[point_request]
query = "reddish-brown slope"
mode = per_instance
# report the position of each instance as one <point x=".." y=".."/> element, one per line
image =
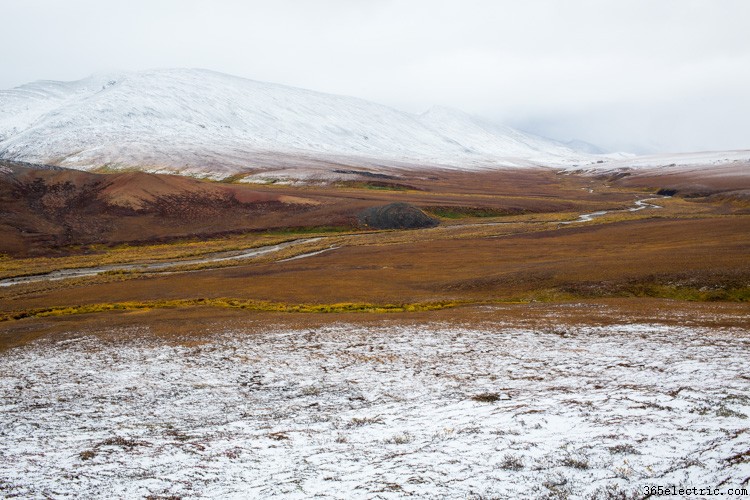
<point x="47" y="211"/>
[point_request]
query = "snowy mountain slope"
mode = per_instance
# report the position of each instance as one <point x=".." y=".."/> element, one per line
<point x="718" y="175"/>
<point x="487" y="139"/>
<point x="723" y="163"/>
<point x="22" y="106"/>
<point x="585" y="147"/>
<point x="206" y="123"/>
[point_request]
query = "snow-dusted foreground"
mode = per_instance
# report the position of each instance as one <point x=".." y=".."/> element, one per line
<point x="354" y="412"/>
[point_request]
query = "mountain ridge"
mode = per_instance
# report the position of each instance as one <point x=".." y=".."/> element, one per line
<point x="205" y="123"/>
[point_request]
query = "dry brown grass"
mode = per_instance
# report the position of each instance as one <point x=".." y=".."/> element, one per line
<point x="674" y="258"/>
<point x="690" y="250"/>
<point x="466" y="227"/>
<point x="60" y="213"/>
<point x="179" y="250"/>
<point x="197" y="325"/>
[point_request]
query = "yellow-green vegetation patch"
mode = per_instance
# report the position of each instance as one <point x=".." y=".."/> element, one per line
<point x="229" y="303"/>
<point x="236" y="178"/>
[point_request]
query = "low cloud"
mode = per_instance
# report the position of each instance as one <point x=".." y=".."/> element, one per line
<point x="636" y="74"/>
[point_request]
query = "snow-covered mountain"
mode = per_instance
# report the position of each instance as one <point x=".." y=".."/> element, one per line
<point x="206" y="123"/>
<point x="585" y="147"/>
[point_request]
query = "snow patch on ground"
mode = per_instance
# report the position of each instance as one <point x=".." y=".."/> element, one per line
<point x="355" y="412"/>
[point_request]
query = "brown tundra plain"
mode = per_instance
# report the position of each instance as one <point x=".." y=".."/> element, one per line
<point x="430" y="333"/>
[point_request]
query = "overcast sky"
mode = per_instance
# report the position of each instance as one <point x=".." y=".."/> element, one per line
<point x="638" y="75"/>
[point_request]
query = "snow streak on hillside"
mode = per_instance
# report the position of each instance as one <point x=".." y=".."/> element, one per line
<point x="201" y="122"/>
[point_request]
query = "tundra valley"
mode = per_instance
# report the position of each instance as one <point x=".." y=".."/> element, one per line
<point x="216" y="287"/>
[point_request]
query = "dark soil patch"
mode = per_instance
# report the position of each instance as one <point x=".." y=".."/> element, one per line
<point x="488" y="397"/>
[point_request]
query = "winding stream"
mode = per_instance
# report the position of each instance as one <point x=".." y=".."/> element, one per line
<point x="639" y="205"/>
<point x="83" y="272"/>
